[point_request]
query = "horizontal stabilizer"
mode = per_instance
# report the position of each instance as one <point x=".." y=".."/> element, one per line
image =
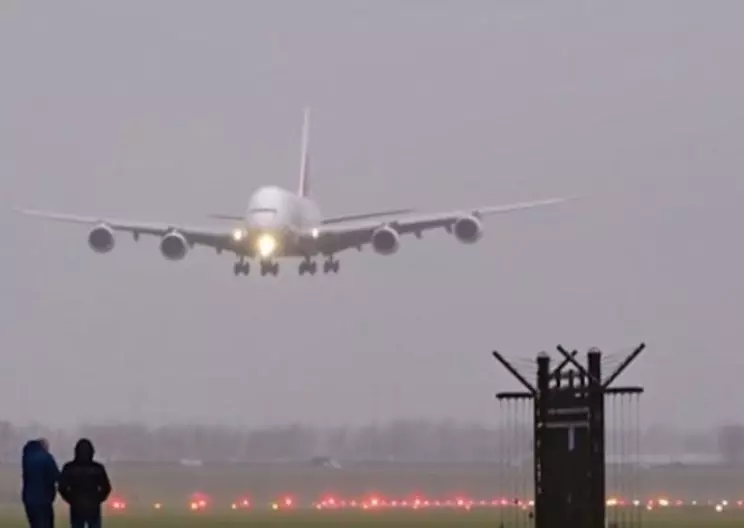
<point x="220" y="216"/>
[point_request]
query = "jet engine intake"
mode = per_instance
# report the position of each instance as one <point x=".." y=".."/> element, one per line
<point x="174" y="246"/>
<point x="468" y="229"/>
<point x="385" y="240"/>
<point x="101" y="239"/>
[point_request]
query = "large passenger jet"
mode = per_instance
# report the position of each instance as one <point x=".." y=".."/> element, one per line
<point x="279" y="223"/>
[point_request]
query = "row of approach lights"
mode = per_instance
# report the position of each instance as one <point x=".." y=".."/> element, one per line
<point x="200" y="502"/>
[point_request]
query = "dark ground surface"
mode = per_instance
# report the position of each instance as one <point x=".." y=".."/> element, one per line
<point x="698" y="518"/>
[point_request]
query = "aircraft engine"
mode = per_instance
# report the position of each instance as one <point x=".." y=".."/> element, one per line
<point x="468" y="229"/>
<point x="101" y="239"/>
<point x="174" y="246"/>
<point x="385" y="240"/>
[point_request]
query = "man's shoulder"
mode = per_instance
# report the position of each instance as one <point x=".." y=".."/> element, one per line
<point x="36" y="459"/>
<point x="72" y="464"/>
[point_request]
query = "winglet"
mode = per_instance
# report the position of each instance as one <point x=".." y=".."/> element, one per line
<point x="304" y="187"/>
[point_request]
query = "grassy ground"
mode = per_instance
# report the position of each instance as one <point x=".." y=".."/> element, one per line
<point x="687" y="518"/>
<point x="145" y="484"/>
<point x="172" y="487"/>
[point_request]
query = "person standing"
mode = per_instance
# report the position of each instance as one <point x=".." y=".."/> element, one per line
<point x="39" y="475"/>
<point x="84" y="484"/>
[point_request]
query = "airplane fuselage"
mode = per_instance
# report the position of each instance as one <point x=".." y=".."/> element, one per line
<point x="273" y="209"/>
<point x="276" y="217"/>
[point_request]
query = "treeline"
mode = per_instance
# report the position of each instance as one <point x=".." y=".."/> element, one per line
<point x="405" y="441"/>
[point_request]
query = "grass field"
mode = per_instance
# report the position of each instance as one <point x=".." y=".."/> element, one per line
<point x="173" y="488"/>
<point x="682" y="518"/>
<point x="173" y="485"/>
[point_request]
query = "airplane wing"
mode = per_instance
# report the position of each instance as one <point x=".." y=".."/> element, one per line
<point x="339" y="237"/>
<point x="219" y="239"/>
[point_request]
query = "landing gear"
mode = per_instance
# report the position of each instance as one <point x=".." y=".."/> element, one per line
<point x="308" y="266"/>
<point x="330" y="265"/>
<point x="269" y="268"/>
<point x="241" y="268"/>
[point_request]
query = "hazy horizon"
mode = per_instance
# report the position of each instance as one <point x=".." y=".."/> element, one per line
<point x="170" y="111"/>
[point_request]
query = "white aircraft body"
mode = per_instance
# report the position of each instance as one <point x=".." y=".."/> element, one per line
<point x="279" y="223"/>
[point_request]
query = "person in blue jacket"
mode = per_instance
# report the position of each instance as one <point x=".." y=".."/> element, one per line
<point x="40" y="475"/>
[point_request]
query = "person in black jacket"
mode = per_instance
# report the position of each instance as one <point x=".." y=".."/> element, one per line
<point x="40" y="476"/>
<point x="84" y="484"/>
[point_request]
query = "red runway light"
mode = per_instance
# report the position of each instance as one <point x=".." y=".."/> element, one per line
<point x="117" y="504"/>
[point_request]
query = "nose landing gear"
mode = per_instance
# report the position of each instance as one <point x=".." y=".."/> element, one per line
<point x="269" y="268"/>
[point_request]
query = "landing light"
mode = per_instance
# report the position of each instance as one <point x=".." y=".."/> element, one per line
<point x="266" y="245"/>
<point x="238" y="234"/>
<point x="315" y="232"/>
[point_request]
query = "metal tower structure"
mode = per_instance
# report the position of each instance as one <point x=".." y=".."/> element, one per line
<point x="569" y="436"/>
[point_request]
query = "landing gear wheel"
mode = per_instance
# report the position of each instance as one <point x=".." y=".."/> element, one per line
<point x="330" y="265"/>
<point x="307" y="266"/>
<point x="241" y="268"/>
<point x="269" y="268"/>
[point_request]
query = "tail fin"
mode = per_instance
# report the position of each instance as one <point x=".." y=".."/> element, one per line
<point x="304" y="189"/>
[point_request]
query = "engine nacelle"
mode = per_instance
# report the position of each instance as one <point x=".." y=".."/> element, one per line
<point x="101" y="239"/>
<point x="174" y="246"/>
<point x="468" y="229"/>
<point x="385" y="240"/>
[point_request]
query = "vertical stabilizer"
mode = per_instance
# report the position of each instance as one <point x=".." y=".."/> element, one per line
<point x="304" y="188"/>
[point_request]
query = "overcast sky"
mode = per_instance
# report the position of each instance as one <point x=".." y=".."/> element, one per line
<point x="171" y="110"/>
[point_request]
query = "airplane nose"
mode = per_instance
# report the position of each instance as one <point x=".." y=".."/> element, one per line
<point x="262" y="220"/>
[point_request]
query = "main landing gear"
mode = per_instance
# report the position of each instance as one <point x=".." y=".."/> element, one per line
<point x="267" y="267"/>
<point x="241" y="268"/>
<point x="308" y="266"/>
<point x="331" y="265"/>
<point x="311" y="267"/>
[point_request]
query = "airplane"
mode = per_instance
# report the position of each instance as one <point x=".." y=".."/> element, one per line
<point x="279" y="223"/>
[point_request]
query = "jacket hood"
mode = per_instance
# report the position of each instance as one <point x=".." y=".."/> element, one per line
<point x="84" y="450"/>
<point x="30" y="447"/>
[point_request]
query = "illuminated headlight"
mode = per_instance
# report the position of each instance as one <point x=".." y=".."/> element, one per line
<point x="266" y="244"/>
